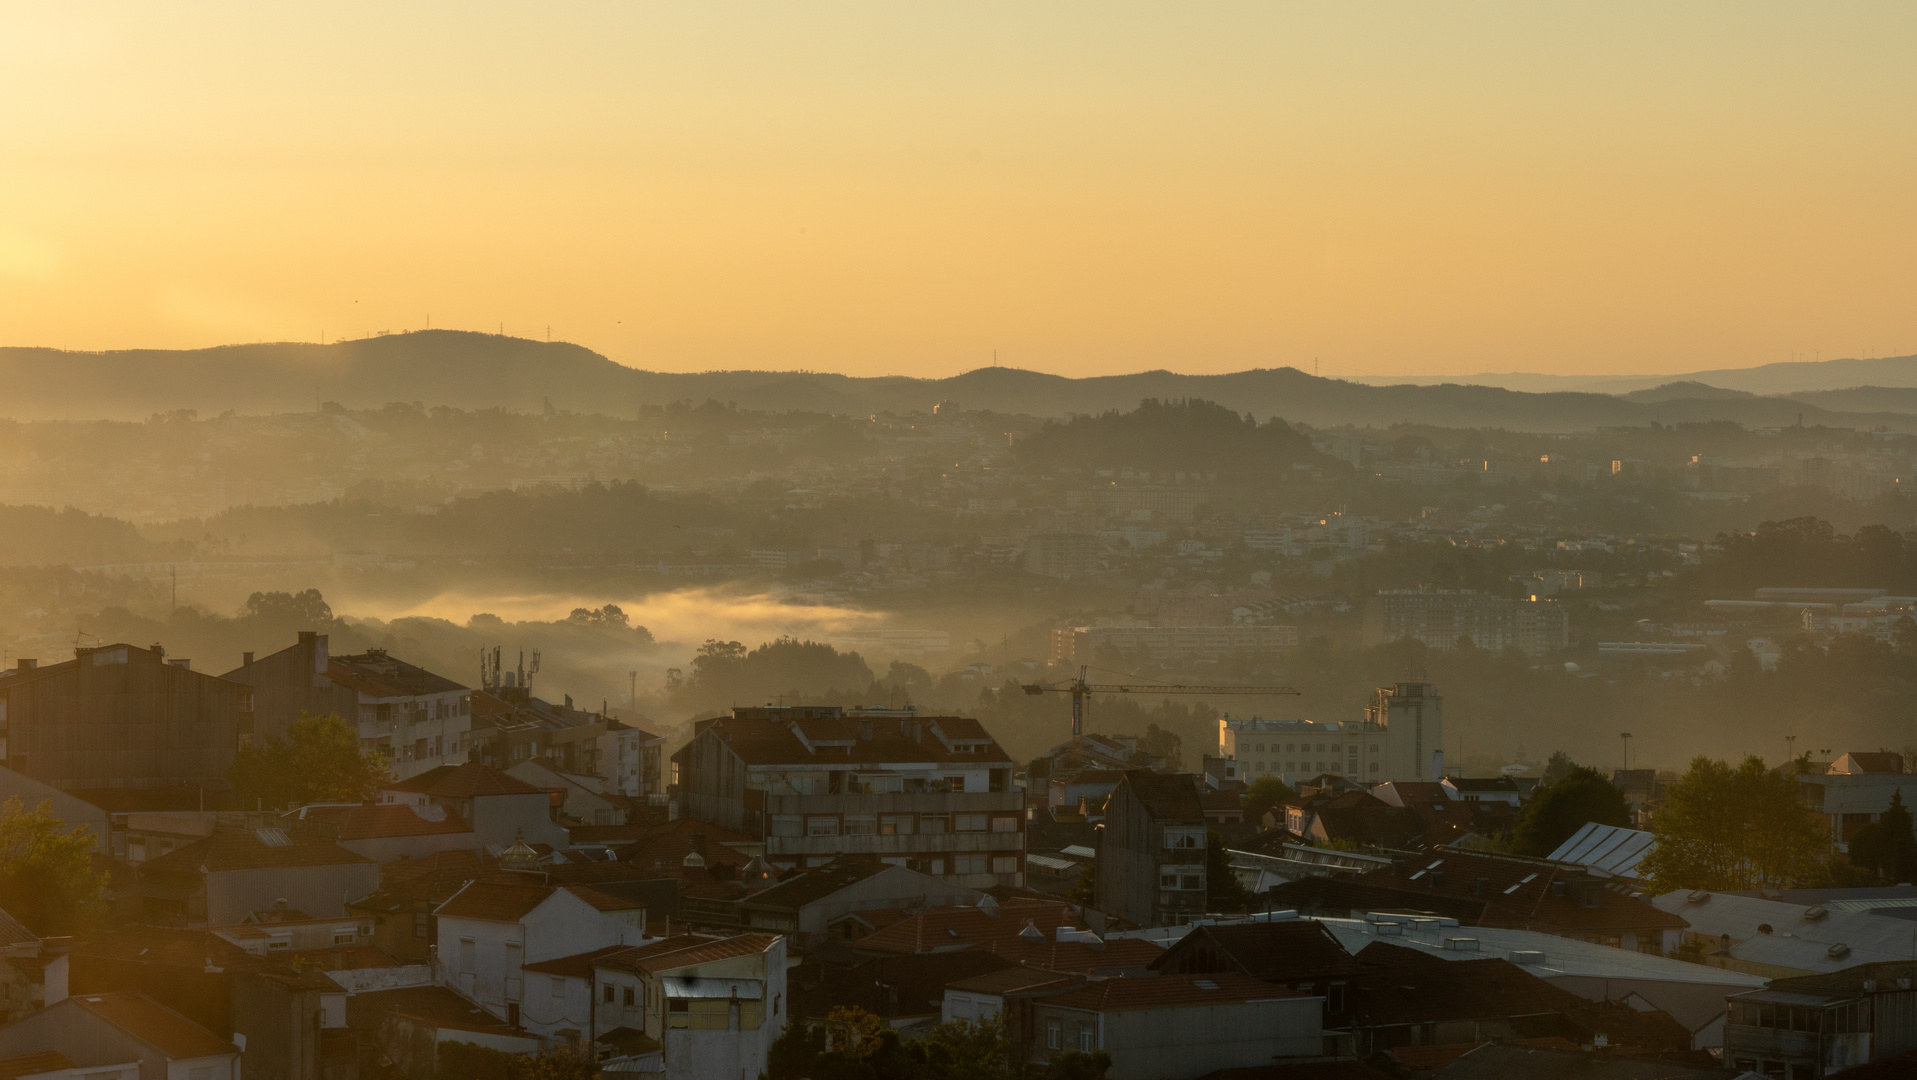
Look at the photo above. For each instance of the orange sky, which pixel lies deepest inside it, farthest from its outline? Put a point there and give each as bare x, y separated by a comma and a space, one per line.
887, 188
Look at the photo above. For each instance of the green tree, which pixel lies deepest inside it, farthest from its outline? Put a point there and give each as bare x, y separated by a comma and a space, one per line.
1263, 794
970, 1050
1085, 889
319, 760
470, 1061
1223, 892
1725, 827
1558, 767
1887, 847
795, 1053
1558, 810
47, 880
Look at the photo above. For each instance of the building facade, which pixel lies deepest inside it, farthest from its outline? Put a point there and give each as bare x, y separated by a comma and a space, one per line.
122, 716
934, 794
1446, 618
291, 682
421, 720
1401, 738
1151, 850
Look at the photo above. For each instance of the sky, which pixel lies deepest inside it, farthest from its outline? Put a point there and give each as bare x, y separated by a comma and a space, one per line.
884, 188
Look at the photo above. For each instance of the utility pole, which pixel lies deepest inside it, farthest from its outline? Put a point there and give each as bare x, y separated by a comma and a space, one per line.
1626, 736
1790, 748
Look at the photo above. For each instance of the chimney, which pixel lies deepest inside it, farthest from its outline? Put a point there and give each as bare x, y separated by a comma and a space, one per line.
246, 659
568, 702
26, 665
307, 636
158, 649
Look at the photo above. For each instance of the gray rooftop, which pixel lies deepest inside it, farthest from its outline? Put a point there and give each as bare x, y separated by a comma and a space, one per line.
1606, 849
1794, 941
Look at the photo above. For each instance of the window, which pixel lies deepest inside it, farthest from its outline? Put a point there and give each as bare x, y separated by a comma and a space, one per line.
935, 823
861, 825
422, 923
1054, 1035
1087, 1040
200, 1072
1374, 766
969, 822
344, 939
1184, 837
955, 783
1261, 766
611, 993
1004, 824
822, 826
1191, 881
969, 864
628, 999
558, 987
895, 824
1005, 864
787, 825
1291, 766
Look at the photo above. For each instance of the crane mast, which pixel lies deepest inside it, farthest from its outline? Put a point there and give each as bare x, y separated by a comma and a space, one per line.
1078, 687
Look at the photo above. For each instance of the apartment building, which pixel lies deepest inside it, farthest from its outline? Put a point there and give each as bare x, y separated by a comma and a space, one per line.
932, 793
293, 681
1446, 618
121, 716
1400, 738
1171, 644
420, 719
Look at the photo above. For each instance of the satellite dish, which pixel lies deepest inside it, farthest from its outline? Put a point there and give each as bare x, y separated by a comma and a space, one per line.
1514, 770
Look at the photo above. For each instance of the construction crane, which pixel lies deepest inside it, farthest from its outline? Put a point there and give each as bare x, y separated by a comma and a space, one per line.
1078, 688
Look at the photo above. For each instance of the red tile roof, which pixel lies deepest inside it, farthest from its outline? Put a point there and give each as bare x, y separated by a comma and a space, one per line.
154, 1024
764, 741
1168, 992
602, 900
464, 782
382, 820
576, 966
1078, 956
376, 674
253, 849
494, 901
686, 950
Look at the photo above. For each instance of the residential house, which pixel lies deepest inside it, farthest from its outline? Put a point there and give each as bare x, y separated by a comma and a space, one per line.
949, 929
237, 871
1407, 998
1483, 789
489, 930
585, 798
421, 720
401, 909
1086, 787
906, 992
122, 716
1151, 850
1178, 1026
511, 726
631, 758
1814, 1026
291, 1014
714, 1006
113, 1029
815, 782
293, 682
1447, 818
1007, 995
1357, 819
384, 832
501, 809
803, 906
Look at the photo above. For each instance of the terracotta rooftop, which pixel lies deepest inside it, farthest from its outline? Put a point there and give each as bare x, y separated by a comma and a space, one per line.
494, 901
1011, 980
576, 966
253, 849
1168, 992
1271, 951
464, 782
858, 741
603, 900
154, 1024
378, 675
685, 950
1078, 956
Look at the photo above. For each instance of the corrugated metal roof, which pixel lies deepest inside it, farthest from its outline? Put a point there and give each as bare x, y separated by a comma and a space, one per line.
1608, 848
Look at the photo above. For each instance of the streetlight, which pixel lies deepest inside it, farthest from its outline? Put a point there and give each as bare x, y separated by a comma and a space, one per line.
1790, 748
1626, 736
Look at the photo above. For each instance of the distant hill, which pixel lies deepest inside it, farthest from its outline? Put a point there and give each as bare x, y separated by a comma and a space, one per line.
470, 371
1786, 377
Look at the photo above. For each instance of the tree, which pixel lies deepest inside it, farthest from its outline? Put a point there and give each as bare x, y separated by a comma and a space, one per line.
1223, 892
319, 760
47, 880
1887, 847
1161, 743
1725, 827
1558, 767
1559, 810
794, 1053
1085, 889
1263, 794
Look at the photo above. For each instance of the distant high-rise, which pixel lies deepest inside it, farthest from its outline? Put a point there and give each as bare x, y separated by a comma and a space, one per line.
1445, 619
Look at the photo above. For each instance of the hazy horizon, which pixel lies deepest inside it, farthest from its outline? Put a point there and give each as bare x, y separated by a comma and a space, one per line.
1379, 192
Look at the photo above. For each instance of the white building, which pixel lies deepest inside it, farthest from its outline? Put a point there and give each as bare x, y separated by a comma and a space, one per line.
711, 1008
489, 932
421, 719
1401, 738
